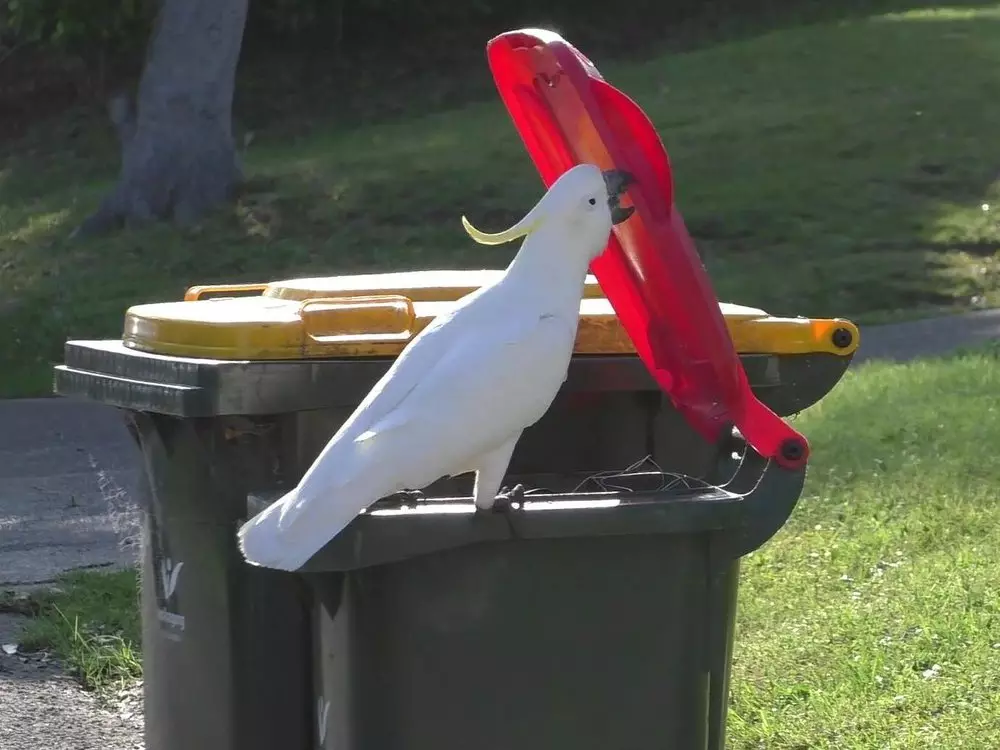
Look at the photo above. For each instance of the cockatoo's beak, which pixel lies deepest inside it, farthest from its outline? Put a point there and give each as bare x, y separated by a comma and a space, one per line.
617, 182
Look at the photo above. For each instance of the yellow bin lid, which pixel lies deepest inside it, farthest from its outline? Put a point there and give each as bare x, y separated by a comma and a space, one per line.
378, 314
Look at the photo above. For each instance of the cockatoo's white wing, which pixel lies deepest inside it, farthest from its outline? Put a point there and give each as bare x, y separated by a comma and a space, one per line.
412, 364
488, 385
493, 380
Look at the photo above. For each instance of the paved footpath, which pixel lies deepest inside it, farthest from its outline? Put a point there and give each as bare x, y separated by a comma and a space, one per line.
67, 479
67, 476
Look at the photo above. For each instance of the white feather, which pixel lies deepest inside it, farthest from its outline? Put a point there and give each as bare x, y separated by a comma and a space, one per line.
459, 395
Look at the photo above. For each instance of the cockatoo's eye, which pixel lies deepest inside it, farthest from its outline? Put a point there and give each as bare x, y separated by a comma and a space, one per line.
592, 201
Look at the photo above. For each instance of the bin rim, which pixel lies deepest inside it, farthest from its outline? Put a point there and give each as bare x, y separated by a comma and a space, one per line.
743, 513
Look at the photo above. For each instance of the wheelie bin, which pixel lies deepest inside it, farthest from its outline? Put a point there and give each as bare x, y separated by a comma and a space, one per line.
598, 612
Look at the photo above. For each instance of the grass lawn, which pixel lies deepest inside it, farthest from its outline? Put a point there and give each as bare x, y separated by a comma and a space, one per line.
91, 621
872, 620
840, 168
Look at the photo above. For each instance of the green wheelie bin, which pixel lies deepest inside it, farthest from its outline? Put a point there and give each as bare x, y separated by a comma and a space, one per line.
597, 612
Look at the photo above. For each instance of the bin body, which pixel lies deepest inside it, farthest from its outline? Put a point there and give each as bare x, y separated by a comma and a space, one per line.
585, 620
240, 657
229, 651
225, 656
615, 642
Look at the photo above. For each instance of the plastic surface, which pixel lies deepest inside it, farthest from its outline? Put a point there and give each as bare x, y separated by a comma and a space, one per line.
214, 291
533, 645
567, 114
225, 646
751, 506
428, 612
109, 372
420, 286
377, 315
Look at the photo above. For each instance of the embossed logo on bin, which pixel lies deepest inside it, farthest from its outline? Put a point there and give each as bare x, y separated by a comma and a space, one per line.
166, 585
171, 620
323, 718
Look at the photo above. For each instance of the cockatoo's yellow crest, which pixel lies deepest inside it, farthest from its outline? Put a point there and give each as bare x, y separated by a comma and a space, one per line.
520, 229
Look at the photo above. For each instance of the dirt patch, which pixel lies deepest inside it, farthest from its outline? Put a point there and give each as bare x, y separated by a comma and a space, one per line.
42, 706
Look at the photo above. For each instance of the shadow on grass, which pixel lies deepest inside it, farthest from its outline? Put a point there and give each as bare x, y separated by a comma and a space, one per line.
827, 169
383, 74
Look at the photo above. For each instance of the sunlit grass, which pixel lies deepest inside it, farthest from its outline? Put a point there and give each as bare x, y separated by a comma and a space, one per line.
873, 619
986, 12
91, 624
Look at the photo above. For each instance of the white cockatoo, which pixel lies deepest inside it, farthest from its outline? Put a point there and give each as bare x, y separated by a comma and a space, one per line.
459, 395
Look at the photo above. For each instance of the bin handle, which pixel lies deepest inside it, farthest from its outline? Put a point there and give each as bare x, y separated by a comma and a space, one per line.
382, 318
795, 335
208, 291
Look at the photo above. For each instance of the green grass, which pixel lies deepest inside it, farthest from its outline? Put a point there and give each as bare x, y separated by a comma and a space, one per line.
91, 623
839, 168
872, 620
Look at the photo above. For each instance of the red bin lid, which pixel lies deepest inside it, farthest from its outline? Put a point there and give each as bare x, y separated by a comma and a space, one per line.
567, 114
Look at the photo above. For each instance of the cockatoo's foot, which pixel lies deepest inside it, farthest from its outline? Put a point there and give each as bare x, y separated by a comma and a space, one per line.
410, 496
399, 498
509, 495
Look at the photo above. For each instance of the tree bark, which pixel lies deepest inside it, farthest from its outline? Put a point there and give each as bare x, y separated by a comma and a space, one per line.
179, 158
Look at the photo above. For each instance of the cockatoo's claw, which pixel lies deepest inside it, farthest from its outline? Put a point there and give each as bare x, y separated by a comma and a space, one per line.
400, 498
509, 495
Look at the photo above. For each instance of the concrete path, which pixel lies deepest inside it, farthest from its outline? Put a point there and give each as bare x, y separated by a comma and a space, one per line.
40, 707
68, 473
927, 338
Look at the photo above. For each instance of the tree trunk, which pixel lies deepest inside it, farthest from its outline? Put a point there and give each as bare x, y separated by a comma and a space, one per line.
179, 158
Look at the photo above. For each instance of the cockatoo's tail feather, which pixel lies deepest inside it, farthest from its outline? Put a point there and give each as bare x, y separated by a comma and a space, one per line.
259, 542
263, 543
